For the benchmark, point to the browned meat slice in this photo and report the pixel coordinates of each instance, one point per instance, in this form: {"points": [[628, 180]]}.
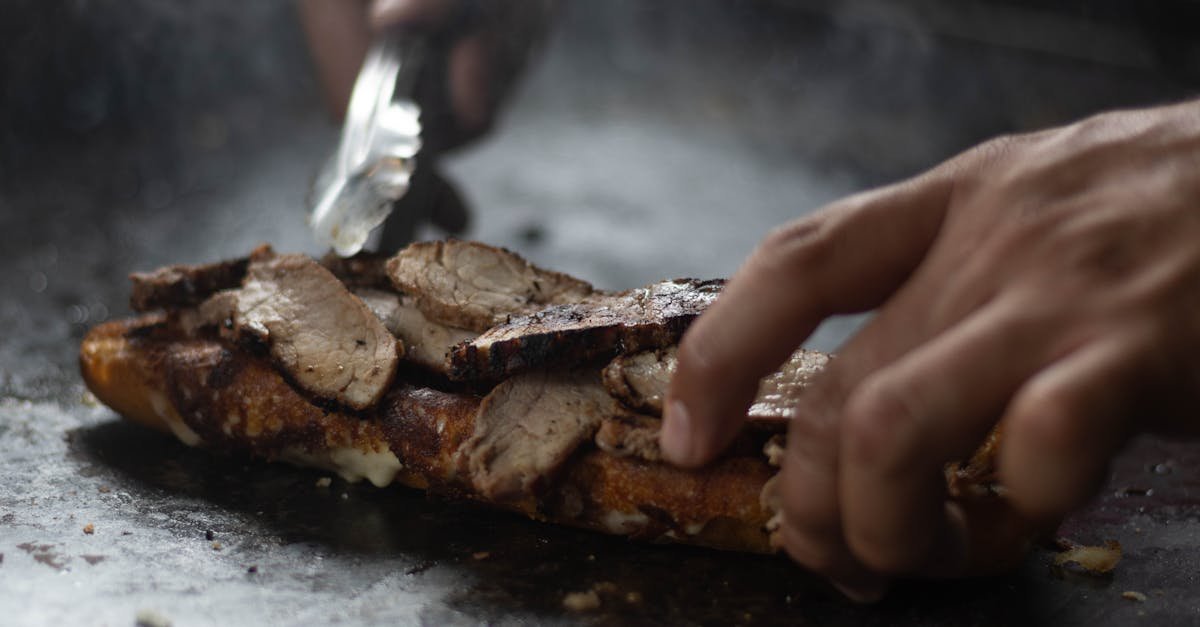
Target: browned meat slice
{"points": [[601, 326], [528, 426], [188, 285], [426, 343], [474, 286], [640, 382], [630, 435], [364, 270], [779, 392], [318, 333]]}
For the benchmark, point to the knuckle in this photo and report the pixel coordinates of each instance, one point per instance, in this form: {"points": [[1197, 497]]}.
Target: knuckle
{"points": [[996, 148], [877, 422], [809, 423], [1048, 416], [886, 555], [797, 245], [815, 552]]}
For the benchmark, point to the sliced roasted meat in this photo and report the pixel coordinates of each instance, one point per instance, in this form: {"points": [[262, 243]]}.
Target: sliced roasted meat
{"points": [[779, 392], [364, 270], [601, 326], [528, 426], [474, 286], [327, 339], [640, 382], [188, 285], [318, 333], [630, 435], [426, 343]]}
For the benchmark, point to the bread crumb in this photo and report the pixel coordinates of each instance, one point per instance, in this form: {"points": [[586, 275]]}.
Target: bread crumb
{"points": [[216, 546], [151, 618], [605, 587], [104, 489], [1091, 560], [1133, 595], [324, 482], [89, 529], [633, 597], [775, 449], [581, 601], [481, 555]]}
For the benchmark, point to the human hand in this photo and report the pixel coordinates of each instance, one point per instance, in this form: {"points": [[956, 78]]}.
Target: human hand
{"points": [[478, 50], [1047, 282]]}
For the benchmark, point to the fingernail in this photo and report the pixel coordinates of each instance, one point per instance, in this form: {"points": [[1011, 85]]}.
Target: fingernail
{"points": [[862, 593], [676, 437]]}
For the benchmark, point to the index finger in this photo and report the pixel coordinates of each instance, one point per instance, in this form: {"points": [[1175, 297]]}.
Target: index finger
{"points": [[848, 257]]}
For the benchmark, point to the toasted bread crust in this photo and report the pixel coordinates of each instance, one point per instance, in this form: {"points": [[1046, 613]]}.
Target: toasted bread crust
{"points": [[223, 397]]}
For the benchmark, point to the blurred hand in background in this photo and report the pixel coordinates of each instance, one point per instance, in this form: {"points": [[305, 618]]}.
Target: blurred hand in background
{"points": [[475, 52]]}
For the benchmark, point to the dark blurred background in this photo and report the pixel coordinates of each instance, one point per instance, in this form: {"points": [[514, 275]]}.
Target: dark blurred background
{"points": [[650, 138]]}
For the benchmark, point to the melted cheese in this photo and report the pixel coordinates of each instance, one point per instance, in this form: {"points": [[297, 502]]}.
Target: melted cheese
{"points": [[167, 414], [351, 464], [624, 522]]}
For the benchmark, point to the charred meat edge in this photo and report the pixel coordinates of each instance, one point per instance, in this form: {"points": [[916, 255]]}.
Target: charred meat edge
{"points": [[188, 285], [600, 327]]}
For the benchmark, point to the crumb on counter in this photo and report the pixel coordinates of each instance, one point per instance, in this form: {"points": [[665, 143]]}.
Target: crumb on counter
{"points": [[89, 400], [151, 618], [581, 601], [1091, 560], [209, 535], [324, 482], [104, 489], [89, 529], [633, 598], [216, 546], [1133, 595], [252, 569], [481, 555]]}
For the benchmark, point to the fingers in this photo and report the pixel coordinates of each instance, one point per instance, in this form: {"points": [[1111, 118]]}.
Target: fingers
{"points": [[471, 94], [1065, 424], [419, 13], [904, 422], [338, 37], [839, 260], [812, 525]]}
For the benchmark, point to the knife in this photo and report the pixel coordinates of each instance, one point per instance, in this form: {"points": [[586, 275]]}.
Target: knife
{"points": [[373, 165]]}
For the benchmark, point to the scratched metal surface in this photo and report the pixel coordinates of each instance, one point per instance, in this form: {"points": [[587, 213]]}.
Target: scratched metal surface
{"points": [[639, 147]]}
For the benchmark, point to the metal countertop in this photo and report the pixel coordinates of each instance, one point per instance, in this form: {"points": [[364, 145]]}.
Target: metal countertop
{"points": [[637, 148]]}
